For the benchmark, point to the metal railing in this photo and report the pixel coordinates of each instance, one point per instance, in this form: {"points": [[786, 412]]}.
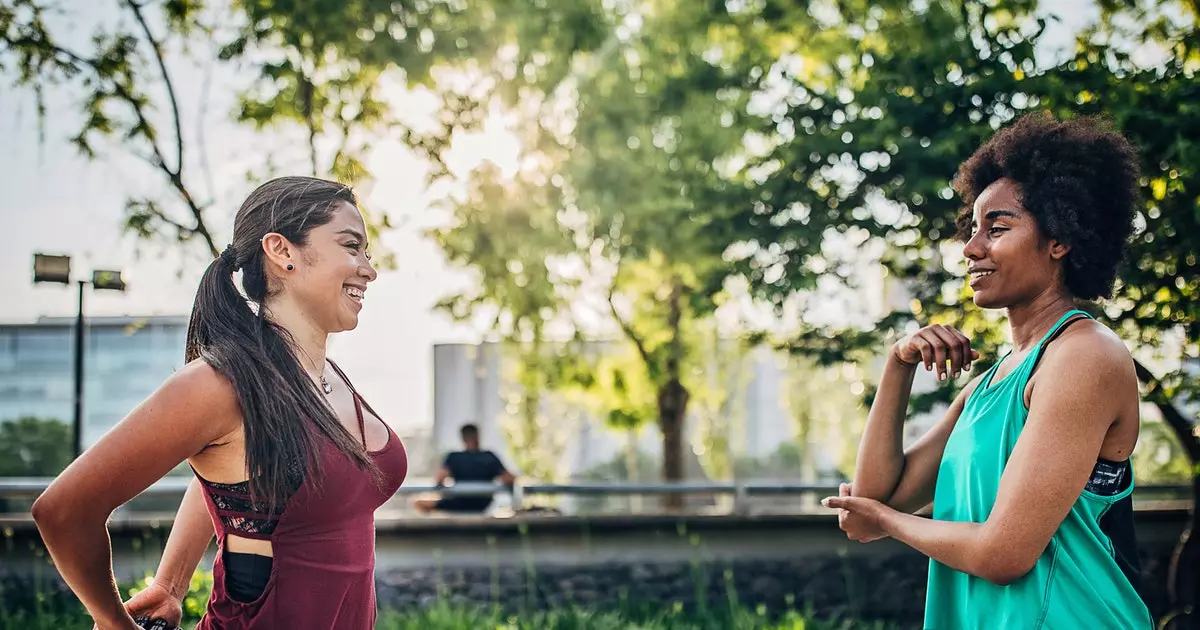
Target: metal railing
{"points": [[741, 491]]}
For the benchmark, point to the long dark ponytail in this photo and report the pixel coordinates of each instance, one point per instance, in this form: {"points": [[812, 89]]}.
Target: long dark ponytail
{"points": [[284, 412]]}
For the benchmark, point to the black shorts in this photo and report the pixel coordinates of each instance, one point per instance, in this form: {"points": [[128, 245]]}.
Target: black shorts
{"points": [[463, 504]]}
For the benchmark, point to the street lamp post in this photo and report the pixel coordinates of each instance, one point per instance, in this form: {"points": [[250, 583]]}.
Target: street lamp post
{"points": [[57, 269]]}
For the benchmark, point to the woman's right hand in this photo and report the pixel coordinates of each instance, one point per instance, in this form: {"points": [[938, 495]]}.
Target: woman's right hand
{"points": [[127, 623], [156, 602], [935, 346]]}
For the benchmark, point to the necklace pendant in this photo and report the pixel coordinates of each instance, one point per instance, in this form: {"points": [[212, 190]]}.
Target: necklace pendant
{"points": [[325, 385]]}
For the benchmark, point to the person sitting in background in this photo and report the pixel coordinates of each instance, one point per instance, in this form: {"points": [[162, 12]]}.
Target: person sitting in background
{"points": [[470, 465]]}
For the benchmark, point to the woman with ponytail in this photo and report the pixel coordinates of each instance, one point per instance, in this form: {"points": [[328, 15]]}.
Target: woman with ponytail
{"points": [[290, 463]]}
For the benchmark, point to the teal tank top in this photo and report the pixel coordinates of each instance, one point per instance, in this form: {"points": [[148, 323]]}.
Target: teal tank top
{"points": [[1078, 581]]}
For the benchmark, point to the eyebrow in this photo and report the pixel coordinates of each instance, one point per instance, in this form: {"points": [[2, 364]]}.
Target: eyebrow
{"points": [[355, 233], [992, 215]]}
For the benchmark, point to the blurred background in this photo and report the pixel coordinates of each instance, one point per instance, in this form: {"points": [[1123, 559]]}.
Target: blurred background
{"points": [[637, 242]]}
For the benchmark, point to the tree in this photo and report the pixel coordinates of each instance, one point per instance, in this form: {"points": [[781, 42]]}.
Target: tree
{"points": [[118, 73], [870, 138], [627, 174], [34, 447]]}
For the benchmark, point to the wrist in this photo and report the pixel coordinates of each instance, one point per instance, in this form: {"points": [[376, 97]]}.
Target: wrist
{"points": [[175, 589], [894, 359], [114, 618], [887, 519]]}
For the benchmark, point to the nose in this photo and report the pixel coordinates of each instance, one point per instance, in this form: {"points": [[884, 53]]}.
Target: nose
{"points": [[367, 270], [974, 249]]}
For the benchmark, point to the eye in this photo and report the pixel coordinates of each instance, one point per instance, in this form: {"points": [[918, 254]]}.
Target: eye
{"points": [[352, 247], [996, 231], [368, 255]]}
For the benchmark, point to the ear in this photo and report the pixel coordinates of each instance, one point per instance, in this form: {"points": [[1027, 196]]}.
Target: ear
{"points": [[279, 253], [1058, 249]]}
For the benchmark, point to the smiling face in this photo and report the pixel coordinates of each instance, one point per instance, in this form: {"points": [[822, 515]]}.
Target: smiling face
{"points": [[1010, 261], [334, 269]]}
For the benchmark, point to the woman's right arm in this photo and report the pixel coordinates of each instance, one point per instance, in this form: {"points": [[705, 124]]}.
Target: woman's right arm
{"points": [[190, 536], [884, 471], [193, 408]]}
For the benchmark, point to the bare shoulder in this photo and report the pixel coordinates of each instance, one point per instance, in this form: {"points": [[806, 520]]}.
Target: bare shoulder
{"points": [[199, 387], [1088, 363], [1089, 348]]}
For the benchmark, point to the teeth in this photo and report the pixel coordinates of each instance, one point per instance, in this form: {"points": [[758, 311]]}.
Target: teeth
{"points": [[980, 274], [354, 293]]}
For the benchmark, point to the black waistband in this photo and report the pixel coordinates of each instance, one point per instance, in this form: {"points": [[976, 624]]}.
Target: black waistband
{"points": [[246, 575]]}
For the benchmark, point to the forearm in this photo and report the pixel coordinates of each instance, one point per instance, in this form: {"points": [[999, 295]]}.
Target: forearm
{"points": [[880, 462], [972, 548], [190, 536], [953, 544], [82, 554]]}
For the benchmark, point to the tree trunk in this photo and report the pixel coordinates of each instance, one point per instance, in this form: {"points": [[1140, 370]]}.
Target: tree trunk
{"points": [[673, 398], [1183, 578], [672, 408]]}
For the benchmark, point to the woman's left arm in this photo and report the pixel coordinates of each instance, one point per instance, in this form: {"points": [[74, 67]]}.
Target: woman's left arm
{"points": [[1079, 397]]}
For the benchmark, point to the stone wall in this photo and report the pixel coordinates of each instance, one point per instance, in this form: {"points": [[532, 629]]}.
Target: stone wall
{"points": [[889, 587], [778, 562]]}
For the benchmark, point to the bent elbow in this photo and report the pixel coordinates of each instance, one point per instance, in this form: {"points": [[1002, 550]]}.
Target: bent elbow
{"points": [[51, 512], [45, 512], [1003, 569], [1004, 576]]}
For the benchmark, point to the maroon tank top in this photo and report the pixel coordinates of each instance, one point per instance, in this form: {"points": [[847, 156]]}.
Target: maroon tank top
{"points": [[323, 541]]}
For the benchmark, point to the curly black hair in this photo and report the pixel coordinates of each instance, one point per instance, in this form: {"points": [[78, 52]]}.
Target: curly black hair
{"points": [[1078, 178]]}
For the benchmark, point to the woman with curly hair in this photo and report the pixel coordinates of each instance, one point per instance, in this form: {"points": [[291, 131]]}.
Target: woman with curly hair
{"points": [[1029, 471]]}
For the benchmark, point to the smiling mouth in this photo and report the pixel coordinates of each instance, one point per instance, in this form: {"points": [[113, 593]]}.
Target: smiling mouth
{"points": [[976, 276], [355, 294]]}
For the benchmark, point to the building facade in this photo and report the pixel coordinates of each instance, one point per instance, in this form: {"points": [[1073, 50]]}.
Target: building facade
{"points": [[125, 359]]}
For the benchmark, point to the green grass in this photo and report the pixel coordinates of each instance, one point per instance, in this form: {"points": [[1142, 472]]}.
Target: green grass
{"points": [[45, 611], [444, 617], [49, 610], [450, 618]]}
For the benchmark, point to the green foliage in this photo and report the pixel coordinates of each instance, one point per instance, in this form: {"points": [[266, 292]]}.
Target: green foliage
{"points": [[194, 602], [724, 618], [541, 424], [625, 179], [34, 447], [445, 617], [826, 406], [118, 71], [876, 122]]}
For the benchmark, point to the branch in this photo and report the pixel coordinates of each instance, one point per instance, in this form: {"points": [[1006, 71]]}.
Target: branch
{"points": [[174, 176], [144, 124], [162, 66], [627, 327], [674, 315], [1179, 424], [70, 61]]}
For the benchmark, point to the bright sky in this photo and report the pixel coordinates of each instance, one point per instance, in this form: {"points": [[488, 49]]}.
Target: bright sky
{"points": [[58, 202]]}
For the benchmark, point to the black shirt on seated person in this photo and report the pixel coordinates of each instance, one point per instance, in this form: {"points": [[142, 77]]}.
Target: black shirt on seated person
{"points": [[470, 467]]}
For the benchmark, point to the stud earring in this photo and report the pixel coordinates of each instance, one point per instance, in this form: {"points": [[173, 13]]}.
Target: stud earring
{"points": [[289, 267]]}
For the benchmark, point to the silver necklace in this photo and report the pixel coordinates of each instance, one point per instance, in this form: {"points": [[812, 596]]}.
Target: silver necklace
{"points": [[325, 385]]}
